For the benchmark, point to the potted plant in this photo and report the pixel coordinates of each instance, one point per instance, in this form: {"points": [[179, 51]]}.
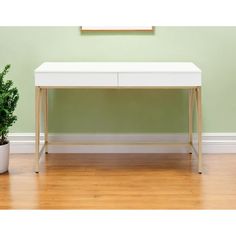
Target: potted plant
{"points": [[8, 99]]}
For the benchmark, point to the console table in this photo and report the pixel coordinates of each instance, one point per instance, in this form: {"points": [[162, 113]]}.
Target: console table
{"points": [[117, 75]]}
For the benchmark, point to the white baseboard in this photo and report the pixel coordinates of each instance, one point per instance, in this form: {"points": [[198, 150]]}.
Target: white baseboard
{"points": [[212, 143]]}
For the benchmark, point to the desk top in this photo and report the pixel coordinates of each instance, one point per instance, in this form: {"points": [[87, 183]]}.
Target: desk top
{"points": [[118, 74], [117, 67]]}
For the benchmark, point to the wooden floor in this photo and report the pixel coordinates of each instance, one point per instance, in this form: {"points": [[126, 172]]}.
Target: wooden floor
{"points": [[119, 181]]}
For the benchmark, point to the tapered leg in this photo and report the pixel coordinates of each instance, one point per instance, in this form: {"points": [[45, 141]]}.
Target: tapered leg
{"points": [[190, 119], [199, 111], [37, 127], [46, 120]]}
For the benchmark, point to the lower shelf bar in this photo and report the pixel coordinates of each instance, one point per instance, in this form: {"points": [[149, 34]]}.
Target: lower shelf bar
{"points": [[41, 151], [194, 149], [116, 143]]}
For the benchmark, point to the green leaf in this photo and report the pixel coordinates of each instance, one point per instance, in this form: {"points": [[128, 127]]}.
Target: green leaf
{"points": [[9, 97]]}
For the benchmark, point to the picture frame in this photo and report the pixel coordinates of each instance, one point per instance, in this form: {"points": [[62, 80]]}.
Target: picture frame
{"points": [[116, 28]]}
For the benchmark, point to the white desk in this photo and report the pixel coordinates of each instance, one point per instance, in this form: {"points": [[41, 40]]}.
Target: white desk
{"points": [[118, 75]]}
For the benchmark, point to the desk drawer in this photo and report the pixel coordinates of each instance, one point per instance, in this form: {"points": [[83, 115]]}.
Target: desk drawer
{"points": [[91, 79], [160, 79]]}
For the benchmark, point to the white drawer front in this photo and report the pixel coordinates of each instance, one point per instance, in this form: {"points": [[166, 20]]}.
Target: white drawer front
{"points": [[160, 79], [76, 79]]}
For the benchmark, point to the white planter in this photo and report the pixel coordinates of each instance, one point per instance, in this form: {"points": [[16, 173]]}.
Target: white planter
{"points": [[4, 157]]}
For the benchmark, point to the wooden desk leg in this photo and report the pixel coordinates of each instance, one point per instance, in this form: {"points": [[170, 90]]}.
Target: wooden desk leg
{"points": [[190, 119], [46, 120], [199, 111], [37, 127]]}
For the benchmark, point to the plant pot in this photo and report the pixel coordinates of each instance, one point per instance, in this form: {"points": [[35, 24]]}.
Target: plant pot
{"points": [[4, 157]]}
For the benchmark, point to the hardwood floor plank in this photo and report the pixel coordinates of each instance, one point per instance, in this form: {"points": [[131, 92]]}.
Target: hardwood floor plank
{"points": [[119, 181]]}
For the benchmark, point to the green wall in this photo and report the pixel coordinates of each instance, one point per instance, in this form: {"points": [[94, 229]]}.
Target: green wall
{"points": [[213, 49]]}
